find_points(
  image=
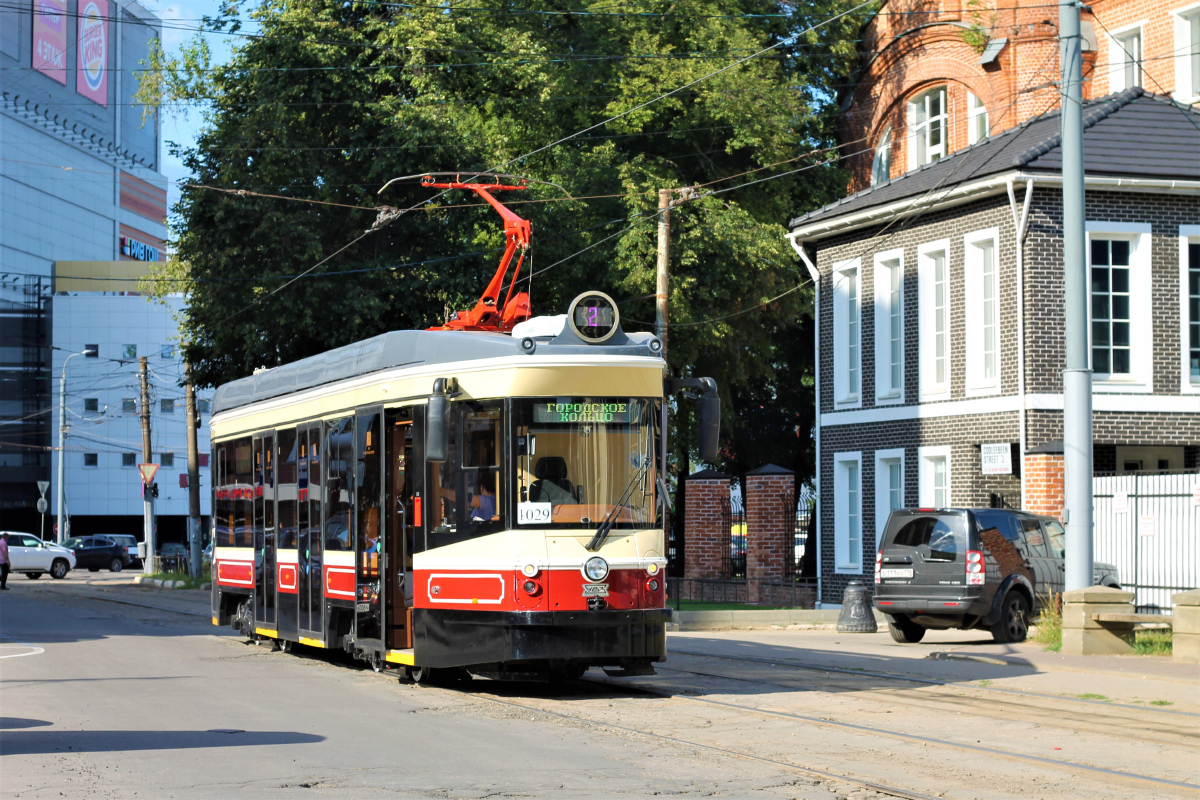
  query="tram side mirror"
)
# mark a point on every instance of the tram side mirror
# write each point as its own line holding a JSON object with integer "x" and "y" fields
{"x": 437, "y": 422}
{"x": 709, "y": 421}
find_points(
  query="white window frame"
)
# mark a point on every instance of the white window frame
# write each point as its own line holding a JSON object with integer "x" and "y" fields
{"x": 920, "y": 152}
{"x": 1117, "y": 56}
{"x": 978, "y": 383}
{"x": 1187, "y": 53}
{"x": 1188, "y": 234}
{"x": 926, "y": 456}
{"x": 975, "y": 110}
{"x": 885, "y": 264}
{"x": 931, "y": 389}
{"x": 881, "y": 162}
{"x": 847, "y": 284}
{"x": 1141, "y": 333}
{"x": 883, "y": 460}
{"x": 847, "y": 511}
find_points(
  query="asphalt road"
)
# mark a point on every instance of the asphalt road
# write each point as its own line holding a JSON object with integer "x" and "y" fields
{"x": 108, "y": 700}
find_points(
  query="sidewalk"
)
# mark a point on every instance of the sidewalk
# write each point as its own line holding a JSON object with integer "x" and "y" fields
{"x": 119, "y": 587}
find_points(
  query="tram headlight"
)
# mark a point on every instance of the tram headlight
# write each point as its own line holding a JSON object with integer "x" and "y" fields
{"x": 530, "y": 570}
{"x": 652, "y": 568}
{"x": 528, "y": 344}
{"x": 595, "y": 569}
{"x": 655, "y": 345}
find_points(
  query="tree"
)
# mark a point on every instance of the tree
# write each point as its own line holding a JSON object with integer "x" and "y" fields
{"x": 330, "y": 101}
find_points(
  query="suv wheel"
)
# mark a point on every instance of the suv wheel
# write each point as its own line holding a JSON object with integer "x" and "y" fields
{"x": 906, "y": 632}
{"x": 33, "y": 576}
{"x": 115, "y": 565}
{"x": 59, "y": 569}
{"x": 1013, "y": 625}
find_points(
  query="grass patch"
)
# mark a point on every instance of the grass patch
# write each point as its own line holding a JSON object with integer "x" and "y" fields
{"x": 1152, "y": 642}
{"x": 985, "y": 682}
{"x": 1161, "y": 703}
{"x": 1094, "y": 696}
{"x": 1048, "y": 632}
{"x": 188, "y": 581}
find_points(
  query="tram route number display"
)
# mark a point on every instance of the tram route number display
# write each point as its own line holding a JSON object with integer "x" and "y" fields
{"x": 595, "y": 590}
{"x": 533, "y": 513}
{"x": 581, "y": 412}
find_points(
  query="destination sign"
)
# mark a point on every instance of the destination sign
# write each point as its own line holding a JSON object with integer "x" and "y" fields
{"x": 582, "y": 412}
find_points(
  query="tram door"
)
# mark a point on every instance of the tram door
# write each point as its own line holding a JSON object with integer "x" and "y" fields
{"x": 264, "y": 531}
{"x": 287, "y": 502}
{"x": 308, "y": 558}
{"x": 368, "y": 522}
{"x": 398, "y": 571}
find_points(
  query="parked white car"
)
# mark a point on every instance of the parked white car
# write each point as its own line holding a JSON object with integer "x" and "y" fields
{"x": 31, "y": 556}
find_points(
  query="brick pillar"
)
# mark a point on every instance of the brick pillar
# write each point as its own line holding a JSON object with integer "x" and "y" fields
{"x": 770, "y": 526}
{"x": 704, "y": 505}
{"x": 1043, "y": 477}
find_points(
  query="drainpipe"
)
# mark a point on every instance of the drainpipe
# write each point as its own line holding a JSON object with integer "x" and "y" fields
{"x": 1020, "y": 223}
{"x": 816, "y": 279}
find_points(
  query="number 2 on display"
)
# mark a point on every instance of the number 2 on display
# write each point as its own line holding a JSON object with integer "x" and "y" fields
{"x": 593, "y": 312}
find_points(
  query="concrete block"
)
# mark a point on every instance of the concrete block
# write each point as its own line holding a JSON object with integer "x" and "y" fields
{"x": 1097, "y": 594}
{"x": 1185, "y": 624}
{"x": 1083, "y": 636}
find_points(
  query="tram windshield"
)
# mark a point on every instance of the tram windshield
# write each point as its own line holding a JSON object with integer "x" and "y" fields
{"x": 579, "y": 458}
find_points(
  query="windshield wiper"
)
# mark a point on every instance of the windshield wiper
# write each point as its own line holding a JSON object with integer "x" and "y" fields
{"x": 602, "y": 532}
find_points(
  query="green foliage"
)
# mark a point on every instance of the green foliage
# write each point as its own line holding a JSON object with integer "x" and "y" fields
{"x": 1048, "y": 630}
{"x": 1153, "y": 642}
{"x": 977, "y": 34}
{"x": 335, "y": 99}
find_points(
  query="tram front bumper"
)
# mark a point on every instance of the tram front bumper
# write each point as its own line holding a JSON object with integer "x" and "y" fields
{"x": 452, "y": 638}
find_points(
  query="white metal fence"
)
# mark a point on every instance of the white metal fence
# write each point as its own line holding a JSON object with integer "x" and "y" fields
{"x": 1148, "y": 526}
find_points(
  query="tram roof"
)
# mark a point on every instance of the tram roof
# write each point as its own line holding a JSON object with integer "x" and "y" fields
{"x": 410, "y": 349}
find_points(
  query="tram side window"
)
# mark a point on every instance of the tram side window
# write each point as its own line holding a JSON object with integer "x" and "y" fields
{"x": 287, "y": 491}
{"x": 467, "y": 484}
{"x": 234, "y": 494}
{"x": 339, "y": 484}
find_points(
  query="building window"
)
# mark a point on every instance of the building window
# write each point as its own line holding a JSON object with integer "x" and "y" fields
{"x": 91, "y": 351}
{"x": 928, "y": 118}
{"x": 166, "y": 459}
{"x": 128, "y": 459}
{"x": 166, "y": 351}
{"x": 128, "y": 405}
{"x": 847, "y": 526}
{"x": 889, "y": 325}
{"x": 1194, "y": 311}
{"x": 847, "y": 332}
{"x": 977, "y": 119}
{"x": 934, "y": 488}
{"x": 129, "y": 351}
{"x": 91, "y": 404}
{"x": 91, "y": 459}
{"x": 933, "y": 307}
{"x": 1189, "y": 300}
{"x": 1127, "y": 60}
{"x": 982, "y": 286}
{"x": 889, "y": 486}
{"x": 881, "y": 166}
{"x": 1110, "y": 306}
{"x": 166, "y": 406}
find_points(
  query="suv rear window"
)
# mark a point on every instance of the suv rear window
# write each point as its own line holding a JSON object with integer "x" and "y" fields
{"x": 944, "y": 534}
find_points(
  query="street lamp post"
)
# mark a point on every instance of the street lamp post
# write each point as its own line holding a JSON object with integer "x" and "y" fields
{"x": 62, "y": 440}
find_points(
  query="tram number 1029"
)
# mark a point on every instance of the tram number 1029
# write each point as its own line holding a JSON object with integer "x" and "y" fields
{"x": 533, "y": 513}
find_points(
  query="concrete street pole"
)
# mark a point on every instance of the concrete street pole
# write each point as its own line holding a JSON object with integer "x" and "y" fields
{"x": 193, "y": 473}
{"x": 1077, "y": 378}
{"x": 62, "y": 443}
{"x": 151, "y": 563}
{"x": 664, "y": 266}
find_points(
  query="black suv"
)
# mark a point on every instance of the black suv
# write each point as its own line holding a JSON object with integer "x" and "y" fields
{"x": 969, "y": 568}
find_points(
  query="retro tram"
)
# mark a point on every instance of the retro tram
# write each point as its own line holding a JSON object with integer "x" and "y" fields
{"x": 485, "y": 496}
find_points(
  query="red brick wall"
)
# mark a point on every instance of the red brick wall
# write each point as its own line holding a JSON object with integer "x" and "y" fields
{"x": 703, "y": 515}
{"x": 770, "y": 528}
{"x": 1044, "y": 484}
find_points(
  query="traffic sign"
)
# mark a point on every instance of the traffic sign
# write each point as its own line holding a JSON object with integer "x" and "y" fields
{"x": 42, "y": 505}
{"x": 43, "y": 486}
{"x": 148, "y": 471}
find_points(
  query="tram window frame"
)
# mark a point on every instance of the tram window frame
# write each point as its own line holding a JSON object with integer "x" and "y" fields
{"x": 235, "y": 493}
{"x": 287, "y": 488}
{"x": 339, "y": 480}
{"x": 446, "y": 480}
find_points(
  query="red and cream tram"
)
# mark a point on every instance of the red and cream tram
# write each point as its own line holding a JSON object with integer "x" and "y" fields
{"x": 455, "y": 498}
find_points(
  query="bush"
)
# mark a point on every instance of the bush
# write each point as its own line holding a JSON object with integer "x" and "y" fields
{"x": 1049, "y": 624}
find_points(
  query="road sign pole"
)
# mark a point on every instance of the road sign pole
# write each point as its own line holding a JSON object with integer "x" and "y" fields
{"x": 150, "y": 565}
{"x": 42, "y": 506}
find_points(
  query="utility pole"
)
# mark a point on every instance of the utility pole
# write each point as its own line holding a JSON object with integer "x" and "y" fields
{"x": 61, "y": 522}
{"x": 193, "y": 475}
{"x": 151, "y": 562}
{"x": 1077, "y": 377}
{"x": 664, "y": 266}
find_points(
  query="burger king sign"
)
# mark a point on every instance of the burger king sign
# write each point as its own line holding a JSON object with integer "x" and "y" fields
{"x": 92, "y": 81}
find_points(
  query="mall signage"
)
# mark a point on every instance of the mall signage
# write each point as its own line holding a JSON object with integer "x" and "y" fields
{"x": 139, "y": 250}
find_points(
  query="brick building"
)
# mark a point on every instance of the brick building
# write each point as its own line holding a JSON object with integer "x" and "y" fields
{"x": 941, "y": 75}
{"x": 940, "y": 322}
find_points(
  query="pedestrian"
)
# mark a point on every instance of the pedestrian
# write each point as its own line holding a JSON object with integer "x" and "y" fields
{"x": 4, "y": 564}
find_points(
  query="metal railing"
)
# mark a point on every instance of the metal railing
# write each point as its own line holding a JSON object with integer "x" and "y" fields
{"x": 733, "y": 541}
{"x": 1147, "y": 525}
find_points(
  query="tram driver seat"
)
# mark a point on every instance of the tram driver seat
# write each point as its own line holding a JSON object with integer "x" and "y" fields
{"x": 552, "y": 485}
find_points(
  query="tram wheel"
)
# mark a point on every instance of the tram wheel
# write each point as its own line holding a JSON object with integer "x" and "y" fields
{"x": 285, "y": 646}
{"x": 422, "y": 676}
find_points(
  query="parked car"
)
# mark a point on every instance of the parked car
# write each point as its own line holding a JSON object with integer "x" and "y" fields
{"x": 98, "y": 552}
{"x": 970, "y": 568}
{"x": 129, "y": 542}
{"x": 31, "y": 556}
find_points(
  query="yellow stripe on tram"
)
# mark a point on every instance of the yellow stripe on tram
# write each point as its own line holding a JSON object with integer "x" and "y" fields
{"x": 311, "y": 642}
{"x": 404, "y": 657}
{"x": 266, "y": 632}
{"x": 215, "y": 621}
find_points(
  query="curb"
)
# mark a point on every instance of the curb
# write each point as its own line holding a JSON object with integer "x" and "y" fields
{"x": 793, "y": 618}
{"x": 161, "y": 584}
